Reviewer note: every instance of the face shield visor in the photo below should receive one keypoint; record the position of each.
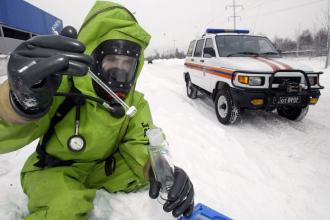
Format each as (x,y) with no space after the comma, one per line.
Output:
(115,63)
(119,68)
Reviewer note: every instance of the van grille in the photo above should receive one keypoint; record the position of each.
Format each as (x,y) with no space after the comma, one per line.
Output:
(280,80)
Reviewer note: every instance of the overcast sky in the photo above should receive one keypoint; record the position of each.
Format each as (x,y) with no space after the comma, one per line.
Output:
(176,22)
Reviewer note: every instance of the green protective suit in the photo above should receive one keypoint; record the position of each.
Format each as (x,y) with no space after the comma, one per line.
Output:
(67,192)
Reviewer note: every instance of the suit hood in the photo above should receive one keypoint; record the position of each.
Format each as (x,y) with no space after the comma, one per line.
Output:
(109,21)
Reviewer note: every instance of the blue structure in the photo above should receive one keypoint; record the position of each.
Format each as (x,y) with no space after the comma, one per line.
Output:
(202,212)
(21,15)
(20,21)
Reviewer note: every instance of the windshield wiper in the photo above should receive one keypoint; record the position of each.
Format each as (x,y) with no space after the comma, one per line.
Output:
(269,53)
(244,53)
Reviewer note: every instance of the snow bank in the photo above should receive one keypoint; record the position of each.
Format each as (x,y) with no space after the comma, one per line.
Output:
(264,167)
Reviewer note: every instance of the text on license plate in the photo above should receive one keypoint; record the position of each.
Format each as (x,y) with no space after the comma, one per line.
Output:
(289,100)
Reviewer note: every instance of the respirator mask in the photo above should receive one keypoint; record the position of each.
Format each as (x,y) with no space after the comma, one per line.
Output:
(115,64)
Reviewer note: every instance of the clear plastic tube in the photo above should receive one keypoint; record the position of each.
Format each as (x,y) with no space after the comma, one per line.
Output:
(161,161)
(130,110)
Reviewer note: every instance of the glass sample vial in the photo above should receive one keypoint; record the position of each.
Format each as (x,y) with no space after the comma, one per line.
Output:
(161,161)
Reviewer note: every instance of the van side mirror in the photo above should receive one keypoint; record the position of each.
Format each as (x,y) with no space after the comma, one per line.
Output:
(209,51)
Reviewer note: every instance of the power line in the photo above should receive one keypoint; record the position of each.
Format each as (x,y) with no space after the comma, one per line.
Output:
(289,8)
(260,3)
(298,6)
(250,3)
(256,4)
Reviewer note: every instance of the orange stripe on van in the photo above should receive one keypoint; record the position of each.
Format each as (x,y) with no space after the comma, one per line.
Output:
(212,68)
(225,73)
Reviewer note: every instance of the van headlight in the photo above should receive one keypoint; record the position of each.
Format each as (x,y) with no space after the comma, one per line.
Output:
(243,79)
(313,80)
(256,80)
(247,80)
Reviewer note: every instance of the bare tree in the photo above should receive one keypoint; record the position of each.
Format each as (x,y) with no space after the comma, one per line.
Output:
(284,44)
(305,40)
(320,41)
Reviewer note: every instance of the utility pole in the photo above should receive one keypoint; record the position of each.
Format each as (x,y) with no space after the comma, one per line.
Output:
(328,44)
(234,16)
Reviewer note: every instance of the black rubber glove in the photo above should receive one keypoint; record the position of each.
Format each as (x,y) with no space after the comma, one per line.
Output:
(181,195)
(35,70)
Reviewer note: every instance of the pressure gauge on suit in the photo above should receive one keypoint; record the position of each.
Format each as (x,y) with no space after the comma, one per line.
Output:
(76,143)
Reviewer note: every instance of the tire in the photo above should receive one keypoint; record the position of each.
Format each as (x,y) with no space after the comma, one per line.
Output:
(226,110)
(292,113)
(191,89)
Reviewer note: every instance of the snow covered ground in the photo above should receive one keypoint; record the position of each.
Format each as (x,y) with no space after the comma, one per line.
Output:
(264,167)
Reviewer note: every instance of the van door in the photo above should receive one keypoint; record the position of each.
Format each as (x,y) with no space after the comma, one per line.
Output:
(190,59)
(198,64)
(209,57)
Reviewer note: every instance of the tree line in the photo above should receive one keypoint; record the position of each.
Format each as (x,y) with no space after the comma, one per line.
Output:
(305,41)
(167,55)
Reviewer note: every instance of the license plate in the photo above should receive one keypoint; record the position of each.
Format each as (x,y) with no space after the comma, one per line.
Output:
(288,100)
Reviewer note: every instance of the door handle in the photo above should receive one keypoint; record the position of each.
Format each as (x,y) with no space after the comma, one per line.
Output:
(202,61)
(192,60)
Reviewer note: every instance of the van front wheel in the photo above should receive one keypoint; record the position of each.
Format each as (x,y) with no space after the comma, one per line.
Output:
(226,110)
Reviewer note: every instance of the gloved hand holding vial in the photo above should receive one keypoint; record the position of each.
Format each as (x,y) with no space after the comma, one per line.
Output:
(167,181)
(161,161)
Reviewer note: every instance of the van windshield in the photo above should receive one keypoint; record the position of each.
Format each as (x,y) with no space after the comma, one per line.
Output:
(236,45)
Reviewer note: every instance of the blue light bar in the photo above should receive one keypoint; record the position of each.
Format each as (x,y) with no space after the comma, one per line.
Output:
(218,31)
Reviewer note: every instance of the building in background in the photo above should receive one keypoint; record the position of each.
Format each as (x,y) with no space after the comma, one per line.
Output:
(20,21)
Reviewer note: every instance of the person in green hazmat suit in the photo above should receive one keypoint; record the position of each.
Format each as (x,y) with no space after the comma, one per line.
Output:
(86,140)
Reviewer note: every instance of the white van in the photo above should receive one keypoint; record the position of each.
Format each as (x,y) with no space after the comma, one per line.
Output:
(243,71)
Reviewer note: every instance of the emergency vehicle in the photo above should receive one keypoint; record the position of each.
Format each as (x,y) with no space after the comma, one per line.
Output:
(243,71)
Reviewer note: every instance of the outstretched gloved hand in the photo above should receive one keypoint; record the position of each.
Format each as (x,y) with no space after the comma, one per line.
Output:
(181,195)
(35,70)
